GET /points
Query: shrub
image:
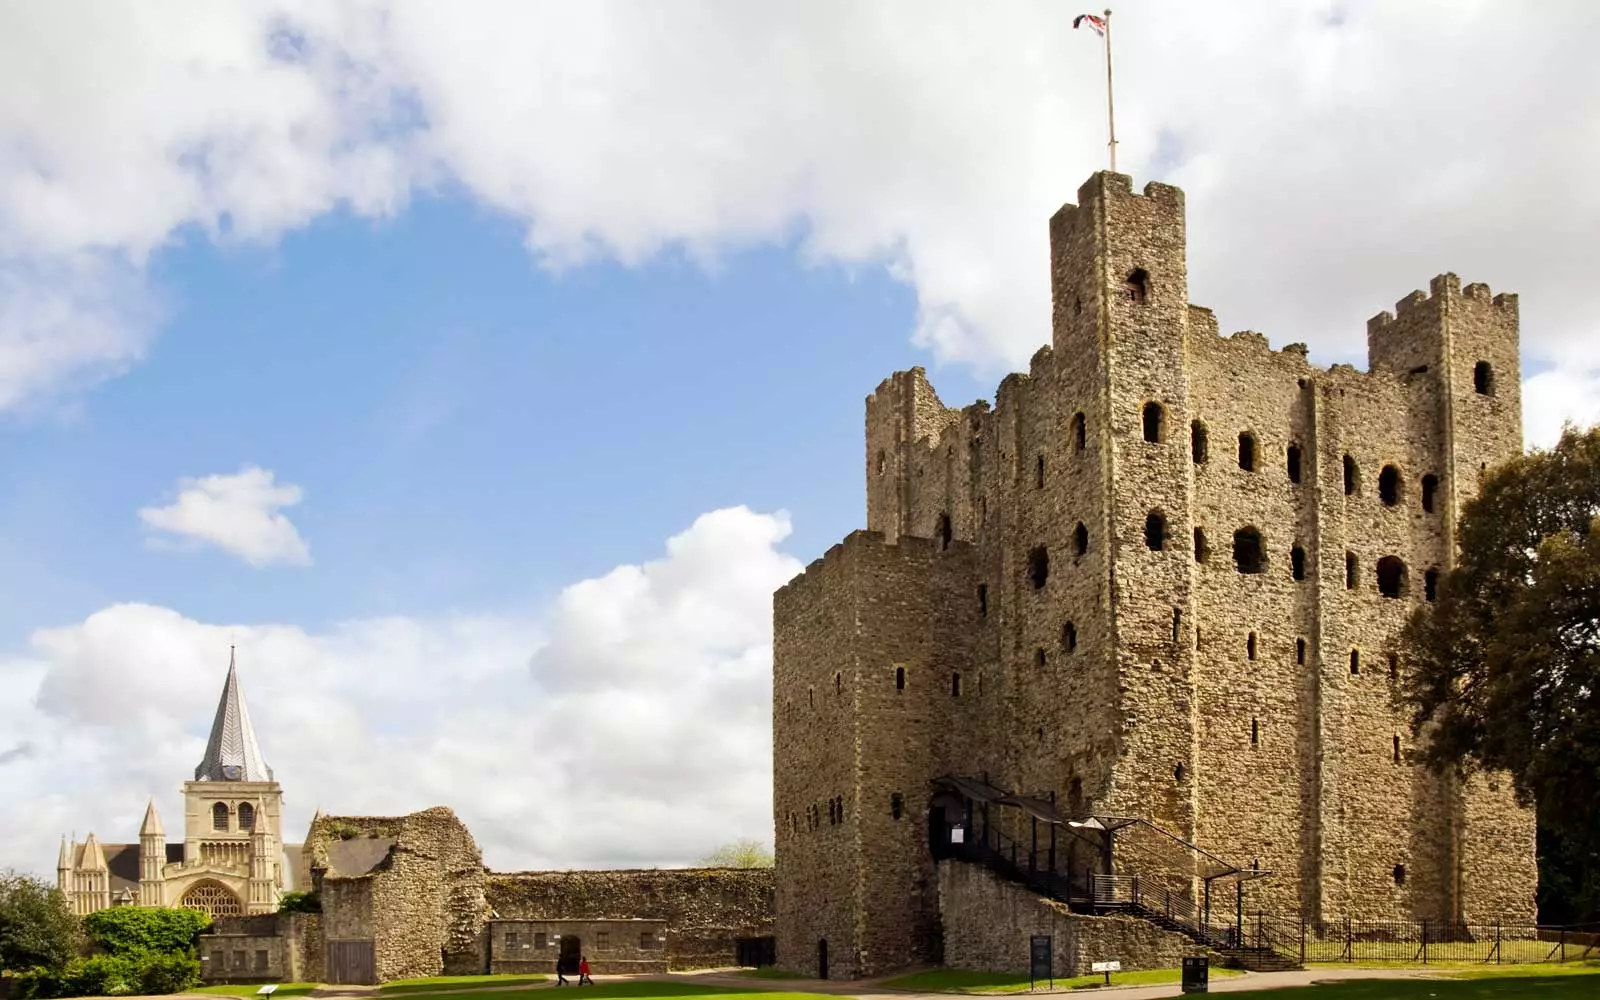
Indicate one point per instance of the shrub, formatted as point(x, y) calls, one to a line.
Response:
point(111, 976)
point(300, 902)
point(142, 930)
point(168, 974)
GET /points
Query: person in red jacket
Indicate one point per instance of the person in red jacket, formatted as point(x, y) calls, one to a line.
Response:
point(583, 970)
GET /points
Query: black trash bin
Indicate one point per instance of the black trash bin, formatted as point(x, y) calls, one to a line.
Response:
point(1196, 974)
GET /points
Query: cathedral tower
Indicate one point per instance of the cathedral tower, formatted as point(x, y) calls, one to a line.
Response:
point(152, 858)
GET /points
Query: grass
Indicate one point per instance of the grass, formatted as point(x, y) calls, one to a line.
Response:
point(450, 984)
point(1529, 986)
point(964, 981)
point(646, 989)
point(249, 989)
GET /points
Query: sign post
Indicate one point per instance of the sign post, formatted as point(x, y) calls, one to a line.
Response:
point(1106, 967)
point(1039, 964)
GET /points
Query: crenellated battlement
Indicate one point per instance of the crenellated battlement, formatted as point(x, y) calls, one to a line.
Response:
point(872, 545)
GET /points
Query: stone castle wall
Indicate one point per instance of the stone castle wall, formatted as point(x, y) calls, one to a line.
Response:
point(1130, 665)
point(988, 924)
point(705, 911)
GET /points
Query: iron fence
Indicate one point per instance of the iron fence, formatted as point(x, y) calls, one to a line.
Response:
point(1405, 942)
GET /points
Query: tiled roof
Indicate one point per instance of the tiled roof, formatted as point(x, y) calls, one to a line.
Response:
point(232, 753)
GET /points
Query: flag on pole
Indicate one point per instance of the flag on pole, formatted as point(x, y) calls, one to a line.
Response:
point(1092, 20)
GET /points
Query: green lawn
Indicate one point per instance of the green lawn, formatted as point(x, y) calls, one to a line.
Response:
point(963, 981)
point(1529, 986)
point(451, 984)
point(646, 989)
point(250, 989)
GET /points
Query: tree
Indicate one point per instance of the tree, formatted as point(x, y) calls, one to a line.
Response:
point(146, 930)
point(1503, 669)
point(740, 854)
point(37, 928)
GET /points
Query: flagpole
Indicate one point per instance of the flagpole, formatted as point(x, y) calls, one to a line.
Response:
point(1111, 117)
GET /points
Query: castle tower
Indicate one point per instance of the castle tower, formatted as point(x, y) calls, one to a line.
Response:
point(64, 869)
point(152, 858)
point(93, 878)
point(233, 800)
point(263, 863)
point(1158, 583)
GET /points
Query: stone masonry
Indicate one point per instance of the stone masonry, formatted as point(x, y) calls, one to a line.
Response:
point(1159, 578)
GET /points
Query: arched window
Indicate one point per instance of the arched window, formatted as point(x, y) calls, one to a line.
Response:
point(1155, 531)
point(1352, 476)
point(1389, 486)
point(1430, 486)
point(1483, 378)
point(1297, 563)
point(1247, 451)
point(1198, 442)
point(1080, 540)
point(1247, 552)
point(1038, 566)
point(1137, 286)
point(1294, 463)
point(247, 816)
point(1080, 434)
point(213, 899)
point(1391, 576)
point(219, 816)
point(1069, 637)
point(1153, 419)
point(943, 531)
point(1202, 551)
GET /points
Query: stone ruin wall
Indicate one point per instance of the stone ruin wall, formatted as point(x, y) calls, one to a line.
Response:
point(422, 907)
point(1105, 719)
point(706, 910)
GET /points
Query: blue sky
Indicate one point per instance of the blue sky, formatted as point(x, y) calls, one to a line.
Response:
point(480, 369)
point(470, 431)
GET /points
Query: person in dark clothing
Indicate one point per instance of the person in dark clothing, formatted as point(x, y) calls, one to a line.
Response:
point(561, 972)
point(583, 970)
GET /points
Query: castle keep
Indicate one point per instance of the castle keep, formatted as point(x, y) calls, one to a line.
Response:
point(1137, 620)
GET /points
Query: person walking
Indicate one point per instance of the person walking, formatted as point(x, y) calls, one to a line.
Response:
point(583, 970)
point(561, 971)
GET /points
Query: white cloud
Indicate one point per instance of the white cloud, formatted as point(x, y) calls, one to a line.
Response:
point(627, 723)
point(1337, 153)
point(239, 514)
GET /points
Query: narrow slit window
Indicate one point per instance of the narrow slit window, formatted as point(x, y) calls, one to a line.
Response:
point(838, 684)
point(1255, 732)
point(1300, 651)
point(899, 678)
point(1080, 435)
point(1202, 551)
point(942, 529)
point(1297, 563)
point(1430, 584)
point(1080, 540)
point(1152, 422)
point(1247, 451)
point(1250, 646)
point(1198, 442)
point(896, 805)
point(1038, 474)
point(983, 600)
point(1430, 487)
point(1389, 486)
point(1069, 637)
point(1350, 570)
point(1177, 625)
point(1038, 566)
point(1155, 531)
point(1293, 463)
point(1397, 749)
point(1247, 553)
point(1394, 665)
point(1352, 476)
point(1039, 657)
point(1483, 378)
point(955, 685)
point(1355, 661)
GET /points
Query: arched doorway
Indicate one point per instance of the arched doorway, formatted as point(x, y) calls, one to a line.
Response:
point(212, 899)
point(822, 959)
point(571, 951)
point(945, 813)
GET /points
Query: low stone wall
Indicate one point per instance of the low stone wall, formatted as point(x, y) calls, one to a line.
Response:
point(613, 947)
point(706, 911)
point(988, 923)
point(266, 948)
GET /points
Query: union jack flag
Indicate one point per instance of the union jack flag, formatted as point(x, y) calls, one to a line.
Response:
point(1092, 20)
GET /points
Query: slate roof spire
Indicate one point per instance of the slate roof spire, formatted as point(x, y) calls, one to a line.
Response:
point(232, 753)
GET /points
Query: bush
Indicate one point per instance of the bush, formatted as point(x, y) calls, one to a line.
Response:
point(111, 976)
point(37, 927)
point(145, 930)
point(300, 902)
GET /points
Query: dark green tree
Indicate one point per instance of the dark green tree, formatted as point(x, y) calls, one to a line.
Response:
point(37, 928)
point(1503, 669)
point(127, 931)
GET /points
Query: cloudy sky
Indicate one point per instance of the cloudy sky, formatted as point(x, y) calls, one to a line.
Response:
point(480, 368)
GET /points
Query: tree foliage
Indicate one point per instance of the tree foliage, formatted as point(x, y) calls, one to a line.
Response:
point(300, 902)
point(148, 974)
point(739, 854)
point(1503, 669)
point(146, 930)
point(37, 928)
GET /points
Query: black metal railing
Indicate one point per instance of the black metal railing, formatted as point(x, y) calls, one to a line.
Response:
point(1421, 942)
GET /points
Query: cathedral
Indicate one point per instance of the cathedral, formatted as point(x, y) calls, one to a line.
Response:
point(232, 860)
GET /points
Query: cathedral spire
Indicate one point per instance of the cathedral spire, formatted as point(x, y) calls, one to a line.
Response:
point(232, 753)
point(151, 827)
